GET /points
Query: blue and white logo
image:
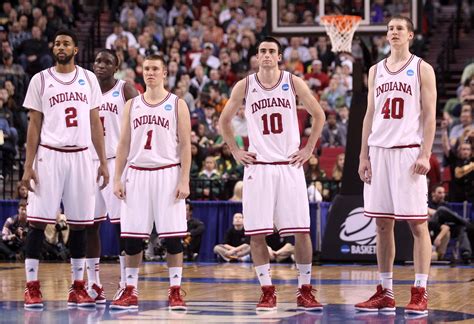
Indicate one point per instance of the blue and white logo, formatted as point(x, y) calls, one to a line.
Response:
point(82, 82)
point(345, 249)
point(285, 87)
point(410, 72)
point(115, 94)
point(168, 107)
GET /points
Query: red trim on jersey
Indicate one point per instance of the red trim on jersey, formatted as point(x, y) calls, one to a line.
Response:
point(418, 69)
point(42, 83)
point(292, 84)
point(154, 169)
point(65, 83)
point(400, 70)
point(272, 163)
point(122, 90)
point(271, 88)
point(72, 150)
point(115, 84)
point(176, 114)
point(158, 104)
point(87, 77)
point(246, 86)
point(405, 146)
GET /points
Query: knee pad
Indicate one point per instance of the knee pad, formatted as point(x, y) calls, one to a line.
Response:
point(34, 243)
point(133, 246)
point(77, 244)
point(174, 245)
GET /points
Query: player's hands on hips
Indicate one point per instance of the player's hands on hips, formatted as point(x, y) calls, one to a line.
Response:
point(182, 192)
point(244, 157)
point(103, 172)
point(365, 170)
point(28, 175)
point(299, 158)
point(421, 166)
point(119, 189)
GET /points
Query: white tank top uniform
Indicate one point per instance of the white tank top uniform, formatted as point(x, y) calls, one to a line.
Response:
point(63, 163)
point(154, 170)
point(394, 144)
point(273, 135)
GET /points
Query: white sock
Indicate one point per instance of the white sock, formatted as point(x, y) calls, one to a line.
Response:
point(31, 269)
point(304, 274)
point(77, 269)
point(420, 280)
point(123, 281)
point(386, 280)
point(175, 276)
point(263, 274)
point(132, 277)
point(92, 268)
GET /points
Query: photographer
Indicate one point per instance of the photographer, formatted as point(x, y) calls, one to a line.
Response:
point(14, 233)
point(56, 238)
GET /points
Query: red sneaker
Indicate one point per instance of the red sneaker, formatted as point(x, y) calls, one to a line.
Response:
point(382, 301)
point(128, 299)
point(306, 300)
point(33, 297)
point(175, 299)
point(97, 293)
point(78, 295)
point(419, 301)
point(268, 299)
point(119, 292)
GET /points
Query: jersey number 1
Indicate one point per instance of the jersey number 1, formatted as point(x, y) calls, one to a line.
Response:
point(149, 134)
point(275, 121)
point(394, 109)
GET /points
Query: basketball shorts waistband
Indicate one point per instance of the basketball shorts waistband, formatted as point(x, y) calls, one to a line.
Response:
point(73, 149)
point(272, 163)
point(154, 169)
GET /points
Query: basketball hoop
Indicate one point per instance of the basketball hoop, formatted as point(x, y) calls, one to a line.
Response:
point(341, 31)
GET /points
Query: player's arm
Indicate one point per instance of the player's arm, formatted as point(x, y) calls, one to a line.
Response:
point(365, 170)
point(97, 132)
point(123, 149)
point(314, 109)
point(231, 107)
point(129, 91)
point(32, 142)
point(428, 108)
point(184, 137)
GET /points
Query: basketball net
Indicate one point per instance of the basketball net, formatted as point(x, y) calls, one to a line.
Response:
point(341, 31)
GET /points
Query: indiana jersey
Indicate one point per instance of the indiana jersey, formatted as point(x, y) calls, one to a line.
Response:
point(397, 99)
point(65, 99)
point(110, 111)
point(154, 132)
point(271, 118)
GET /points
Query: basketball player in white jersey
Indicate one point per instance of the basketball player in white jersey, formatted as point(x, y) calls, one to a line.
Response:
point(64, 117)
point(155, 143)
point(397, 137)
point(274, 183)
point(115, 94)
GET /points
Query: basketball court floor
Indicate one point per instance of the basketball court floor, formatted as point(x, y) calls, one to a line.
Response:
point(227, 293)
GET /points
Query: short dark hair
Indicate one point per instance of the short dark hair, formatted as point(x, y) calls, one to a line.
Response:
point(156, 57)
point(69, 33)
point(22, 203)
point(111, 52)
point(270, 39)
point(407, 20)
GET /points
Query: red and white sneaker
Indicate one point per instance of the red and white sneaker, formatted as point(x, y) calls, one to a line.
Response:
point(127, 300)
point(97, 293)
point(268, 299)
point(33, 297)
point(305, 299)
point(78, 295)
point(119, 292)
point(419, 301)
point(382, 301)
point(175, 299)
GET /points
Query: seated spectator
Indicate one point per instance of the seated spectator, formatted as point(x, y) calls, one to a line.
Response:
point(117, 33)
point(440, 214)
point(338, 167)
point(333, 134)
point(198, 81)
point(239, 123)
point(21, 191)
point(20, 114)
point(216, 99)
point(227, 166)
point(316, 180)
point(280, 249)
point(215, 80)
point(238, 188)
point(206, 58)
point(8, 139)
point(236, 246)
point(193, 238)
point(346, 76)
point(293, 64)
point(210, 132)
point(13, 72)
point(56, 238)
point(318, 80)
point(465, 121)
point(155, 247)
point(196, 160)
point(343, 117)
point(209, 187)
point(34, 54)
point(14, 233)
point(333, 94)
point(440, 235)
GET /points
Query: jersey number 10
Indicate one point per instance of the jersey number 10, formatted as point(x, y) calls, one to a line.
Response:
point(275, 121)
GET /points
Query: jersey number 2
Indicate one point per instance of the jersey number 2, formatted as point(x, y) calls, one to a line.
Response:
point(275, 121)
point(393, 109)
point(71, 117)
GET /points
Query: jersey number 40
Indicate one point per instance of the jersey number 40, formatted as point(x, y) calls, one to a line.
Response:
point(393, 108)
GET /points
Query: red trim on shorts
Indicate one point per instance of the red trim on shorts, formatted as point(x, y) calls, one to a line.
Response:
point(100, 219)
point(172, 234)
point(294, 229)
point(111, 158)
point(272, 163)
point(154, 169)
point(405, 146)
point(393, 216)
point(76, 222)
point(40, 219)
point(259, 231)
point(134, 235)
point(114, 220)
point(75, 150)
